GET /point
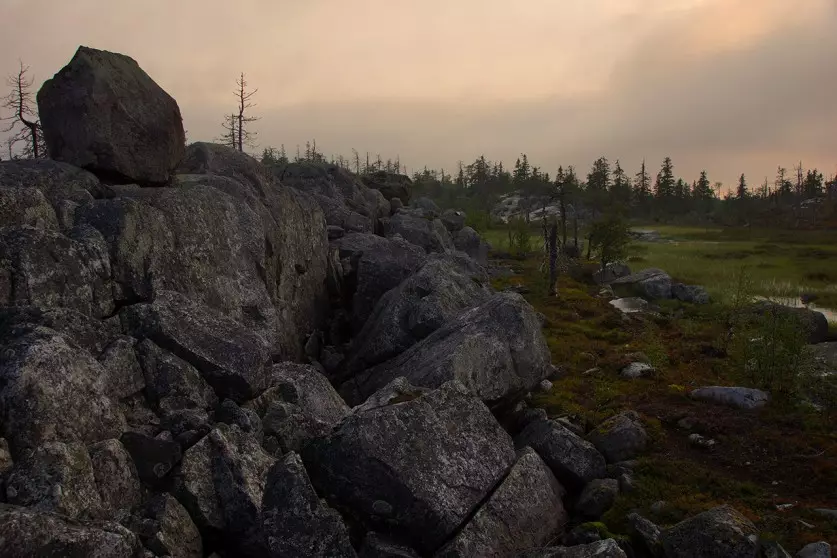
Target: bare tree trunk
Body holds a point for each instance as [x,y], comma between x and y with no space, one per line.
[553,259]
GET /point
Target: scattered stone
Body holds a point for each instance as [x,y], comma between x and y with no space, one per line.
[647,533]
[545,386]
[92,110]
[172,384]
[770,549]
[611,272]
[690,293]
[453,220]
[573,460]
[687,423]
[815,550]
[637,370]
[295,521]
[597,497]
[831,514]
[397,391]
[701,441]
[246,419]
[124,375]
[739,397]
[620,438]
[470,242]
[720,532]
[631,305]
[432,459]
[524,512]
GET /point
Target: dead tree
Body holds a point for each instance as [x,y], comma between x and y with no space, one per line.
[230,135]
[23,123]
[245,137]
[553,259]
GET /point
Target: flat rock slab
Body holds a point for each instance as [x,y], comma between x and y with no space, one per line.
[738,397]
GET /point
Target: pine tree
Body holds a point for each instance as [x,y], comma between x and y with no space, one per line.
[741,192]
[664,188]
[621,189]
[642,187]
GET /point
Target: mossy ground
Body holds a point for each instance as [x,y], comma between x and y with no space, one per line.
[782,454]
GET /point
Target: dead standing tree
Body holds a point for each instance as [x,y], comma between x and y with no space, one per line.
[23,123]
[236,134]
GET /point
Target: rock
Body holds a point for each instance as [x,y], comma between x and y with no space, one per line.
[124,375]
[375,265]
[392,186]
[771,549]
[165,528]
[58,182]
[607,548]
[26,207]
[425,207]
[77,329]
[815,550]
[55,477]
[376,546]
[611,272]
[288,257]
[640,235]
[497,350]
[397,391]
[545,386]
[437,293]
[116,477]
[597,497]
[453,220]
[690,293]
[585,533]
[45,268]
[171,383]
[247,420]
[26,533]
[50,391]
[637,370]
[221,482]
[739,397]
[231,358]
[305,387]
[469,241]
[827,513]
[6,461]
[395,205]
[295,521]
[574,461]
[620,438]
[646,533]
[652,283]
[631,305]
[524,512]
[419,467]
[154,458]
[720,532]
[420,231]
[102,113]
[815,322]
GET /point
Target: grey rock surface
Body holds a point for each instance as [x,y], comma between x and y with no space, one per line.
[721,532]
[620,438]
[738,397]
[651,283]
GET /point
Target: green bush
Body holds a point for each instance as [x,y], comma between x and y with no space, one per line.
[480,221]
[520,242]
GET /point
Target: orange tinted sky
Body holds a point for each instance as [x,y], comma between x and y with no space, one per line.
[727,85]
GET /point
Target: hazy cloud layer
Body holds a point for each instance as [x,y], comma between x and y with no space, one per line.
[728,85]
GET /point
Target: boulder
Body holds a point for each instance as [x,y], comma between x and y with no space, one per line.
[171,383]
[690,293]
[524,512]
[436,294]
[597,497]
[21,207]
[453,220]
[116,477]
[620,438]
[418,468]
[738,397]
[294,519]
[422,232]
[637,370]
[497,350]
[630,305]
[221,482]
[377,546]
[611,272]
[58,182]
[607,548]
[55,477]
[815,550]
[78,330]
[395,205]
[154,458]
[246,419]
[51,391]
[651,283]
[646,534]
[397,391]
[231,358]
[424,207]
[720,532]
[102,113]
[25,533]
[391,185]
[573,460]
[814,322]
[469,241]
[47,269]
[372,266]
[165,528]
[124,375]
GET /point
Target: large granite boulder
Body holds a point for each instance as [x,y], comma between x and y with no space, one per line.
[165,528]
[78,330]
[574,460]
[611,272]
[437,293]
[496,350]
[415,468]
[171,383]
[344,199]
[294,519]
[469,241]
[738,397]
[721,532]
[26,207]
[391,185]
[45,268]
[51,391]
[221,482]
[814,323]
[103,113]
[429,234]
[620,438]
[58,182]
[231,358]
[372,265]
[294,232]
[26,533]
[454,220]
[651,283]
[524,512]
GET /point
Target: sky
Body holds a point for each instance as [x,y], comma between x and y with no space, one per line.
[729,86]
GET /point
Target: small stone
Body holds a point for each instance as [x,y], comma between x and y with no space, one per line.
[545,386]
[739,397]
[381,507]
[620,437]
[701,441]
[637,370]
[658,506]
